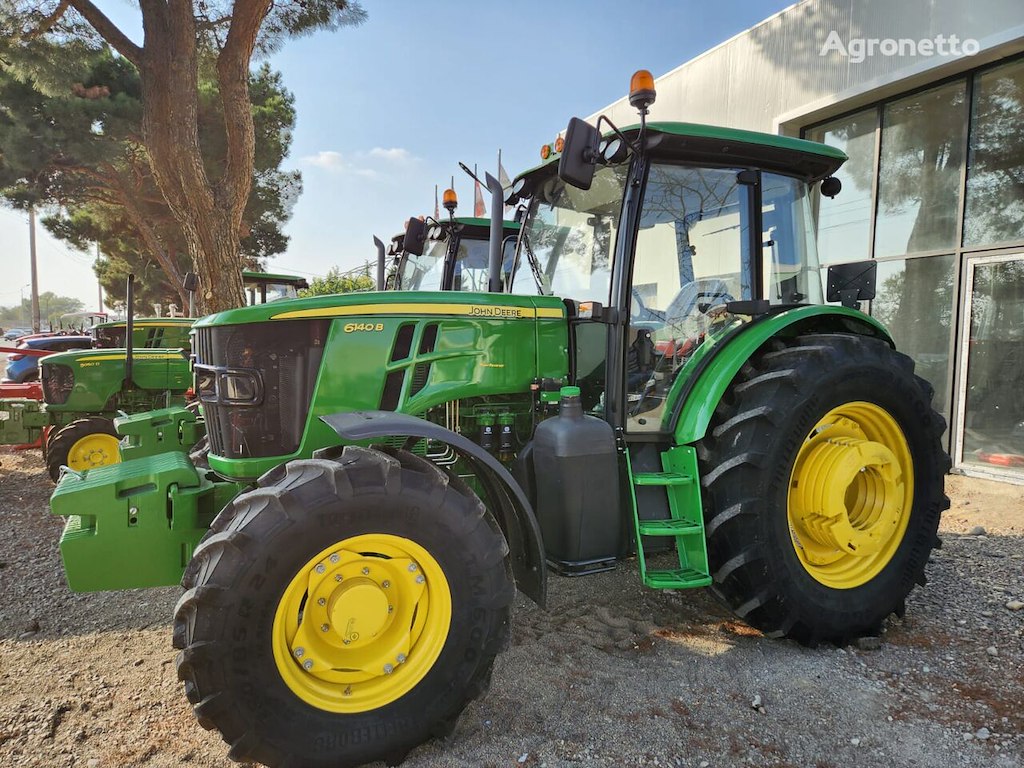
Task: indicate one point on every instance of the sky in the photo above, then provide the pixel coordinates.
(387, 109)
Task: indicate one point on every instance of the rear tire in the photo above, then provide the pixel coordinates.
(778, 559)
(276, 548)
(83, 444)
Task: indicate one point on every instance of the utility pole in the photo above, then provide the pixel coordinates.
(35, 276)
(99, 285)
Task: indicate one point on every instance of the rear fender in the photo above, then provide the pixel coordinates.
(504, 497)
(693, 408)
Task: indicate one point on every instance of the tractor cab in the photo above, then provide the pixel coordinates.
(682, 234)
(148, 333)
(261, 287)
(452, 255)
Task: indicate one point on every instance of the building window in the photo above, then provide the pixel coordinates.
(914, 299)
(922, 153)
(844, 222)
(995, 169)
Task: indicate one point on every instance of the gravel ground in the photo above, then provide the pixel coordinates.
(611, 675)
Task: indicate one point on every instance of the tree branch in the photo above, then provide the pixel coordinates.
(108, 30)
(49, 21)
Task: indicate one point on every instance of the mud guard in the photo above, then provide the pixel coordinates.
(505, 498)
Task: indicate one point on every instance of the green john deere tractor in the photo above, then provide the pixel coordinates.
(85, 390)
(385, 469)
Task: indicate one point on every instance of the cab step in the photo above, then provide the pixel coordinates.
(685, 523)
(661, 478)
(680, 578)
(669, 527)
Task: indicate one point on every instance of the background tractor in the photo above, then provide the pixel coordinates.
(452, 255)
(84, 391)
(385, 469)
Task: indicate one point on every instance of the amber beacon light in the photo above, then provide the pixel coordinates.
(449, 200)
(641, 90)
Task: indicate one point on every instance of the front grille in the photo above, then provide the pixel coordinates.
(285, 358)
(58, 381)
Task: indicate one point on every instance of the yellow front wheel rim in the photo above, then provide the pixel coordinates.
(96, 450)
(361, 623)
(850, 495)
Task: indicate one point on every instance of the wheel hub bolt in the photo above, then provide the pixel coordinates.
(320, 568)
(298, 652)
(388, 669)
(337, 577)
(321, 601)
(413, 567)
(420, 579)
(366, 571)
(401, 658)
(324, 627)
(385, 583)
(307, 664)
(345, 641)
(334, 558)
(391, 608)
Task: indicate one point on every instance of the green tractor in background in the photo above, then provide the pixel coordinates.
(84, 391)
(452, 255)
(385, 469)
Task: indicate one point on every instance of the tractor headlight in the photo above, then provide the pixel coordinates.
(239, 388)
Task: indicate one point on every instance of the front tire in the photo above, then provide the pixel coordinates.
(83, 444)
(822, 475)
(343, 612)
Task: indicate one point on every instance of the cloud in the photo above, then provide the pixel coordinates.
(367, 164)
(328, 159)
(392, 155)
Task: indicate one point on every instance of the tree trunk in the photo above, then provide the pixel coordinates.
(210, 214)
(214, 250)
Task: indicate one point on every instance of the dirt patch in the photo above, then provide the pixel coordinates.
(613, 674)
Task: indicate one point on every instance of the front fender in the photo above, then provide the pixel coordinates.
(505, 498)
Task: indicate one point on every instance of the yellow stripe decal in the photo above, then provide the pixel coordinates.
(135, 356)
(502, 311)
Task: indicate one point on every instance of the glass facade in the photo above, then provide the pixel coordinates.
(935, 183)
(995, 165)
(914, 298)
(923, 145)
(844, 222)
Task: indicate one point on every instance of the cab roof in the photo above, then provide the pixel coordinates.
(148, 322)
(715, 145)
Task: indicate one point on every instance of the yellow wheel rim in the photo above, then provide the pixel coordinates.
(95, 450)
(850, 495)
(362, 623)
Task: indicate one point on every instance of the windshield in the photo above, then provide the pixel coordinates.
(569, 236)
(424, 272)
(262, 292)
(471, 265)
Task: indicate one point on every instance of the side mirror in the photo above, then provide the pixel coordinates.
(190, 281)
(415, 236)
(831, 186)
(578, 162)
